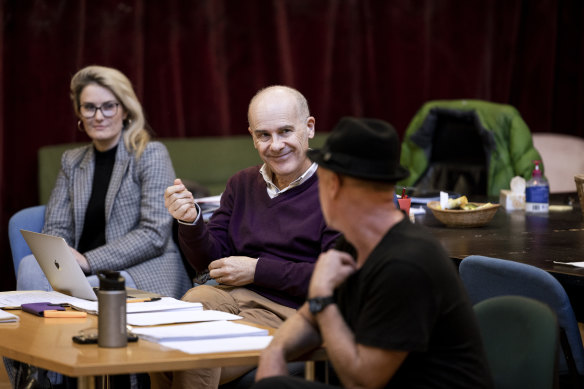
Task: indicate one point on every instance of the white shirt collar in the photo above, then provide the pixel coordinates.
(273, 190)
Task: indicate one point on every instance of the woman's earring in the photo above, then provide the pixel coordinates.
(80, 126)
(127, 123)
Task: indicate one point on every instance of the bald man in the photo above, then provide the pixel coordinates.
(262, 243)
(390, 308)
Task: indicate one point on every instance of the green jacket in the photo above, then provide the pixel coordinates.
(507, 139)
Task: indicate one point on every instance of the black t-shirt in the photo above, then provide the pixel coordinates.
(408, 296)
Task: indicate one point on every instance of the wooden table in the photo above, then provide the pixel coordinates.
(47, 343)
(530, 239)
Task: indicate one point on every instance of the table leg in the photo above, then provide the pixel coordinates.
(86, 382)
(103, 382)
(309, 371)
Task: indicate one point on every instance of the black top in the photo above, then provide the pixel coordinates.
(93, 234)
(407, 296)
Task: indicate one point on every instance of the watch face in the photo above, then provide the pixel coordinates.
(317, 304)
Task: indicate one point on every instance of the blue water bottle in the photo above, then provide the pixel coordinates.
(537, 192)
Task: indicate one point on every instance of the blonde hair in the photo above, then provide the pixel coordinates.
(135, 134)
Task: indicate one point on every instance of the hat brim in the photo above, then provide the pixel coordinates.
(318, 156)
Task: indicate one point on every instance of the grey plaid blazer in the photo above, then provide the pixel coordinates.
(138, 227)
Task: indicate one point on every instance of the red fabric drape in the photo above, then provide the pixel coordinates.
(195, 65)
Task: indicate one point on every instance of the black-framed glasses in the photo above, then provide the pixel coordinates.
(108, 109)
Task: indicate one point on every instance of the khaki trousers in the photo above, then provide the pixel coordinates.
(240, 301)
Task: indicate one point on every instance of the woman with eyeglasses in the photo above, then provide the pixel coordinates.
(108, 203)
(108, 200)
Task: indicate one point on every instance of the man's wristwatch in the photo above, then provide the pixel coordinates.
(317, 304)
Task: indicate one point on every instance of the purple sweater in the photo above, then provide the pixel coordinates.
(287, 234)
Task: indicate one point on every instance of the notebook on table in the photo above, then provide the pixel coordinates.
(56, 260)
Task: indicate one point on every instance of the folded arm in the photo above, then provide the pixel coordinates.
(298, 335)
(357, 365)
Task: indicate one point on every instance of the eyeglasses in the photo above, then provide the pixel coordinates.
(108, 109)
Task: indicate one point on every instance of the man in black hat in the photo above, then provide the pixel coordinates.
(395, 314)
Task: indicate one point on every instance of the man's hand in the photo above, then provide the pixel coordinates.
(331, 269)
(179, 202)
(236, 271)
(82, 261)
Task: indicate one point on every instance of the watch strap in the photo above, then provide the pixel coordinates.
(317, 304)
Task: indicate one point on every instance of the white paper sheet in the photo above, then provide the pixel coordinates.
(210, 199)
(182, 316)
(244, 343)
(164, 304)
(443, 200)
(7, 317)
(15, 299)
(575, 264)
(198, 331)
(417, 211)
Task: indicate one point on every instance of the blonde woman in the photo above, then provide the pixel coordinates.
(108, 199)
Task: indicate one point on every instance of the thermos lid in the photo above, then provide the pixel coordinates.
(111, 280)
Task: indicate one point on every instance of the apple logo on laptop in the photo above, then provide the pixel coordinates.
(57, 265)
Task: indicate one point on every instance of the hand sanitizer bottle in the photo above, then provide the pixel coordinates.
(537, 192)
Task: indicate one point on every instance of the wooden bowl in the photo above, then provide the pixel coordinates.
(463, 218)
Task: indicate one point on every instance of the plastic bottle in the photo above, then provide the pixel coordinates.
(111, 302)
(537, 192)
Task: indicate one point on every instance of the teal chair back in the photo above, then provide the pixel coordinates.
(520, 335)
(486, 277)
(31, 219)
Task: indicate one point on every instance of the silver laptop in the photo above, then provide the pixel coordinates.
(61, 268)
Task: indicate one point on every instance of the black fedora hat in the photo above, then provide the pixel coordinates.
(362, 148)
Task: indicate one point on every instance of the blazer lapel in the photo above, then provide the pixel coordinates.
(123, 159)
(82, 185)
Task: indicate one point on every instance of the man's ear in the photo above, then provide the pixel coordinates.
(252, 137)
(310, 127)
(335, 184)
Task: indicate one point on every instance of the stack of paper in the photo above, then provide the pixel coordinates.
(16, 298)
(164, 304)
(205, 346)
(6, 317)
(198, 331)
(208, 337)
(211, 332)
(180, 316)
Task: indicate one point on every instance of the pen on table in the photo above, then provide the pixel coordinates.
(69, 314)
(144, 300)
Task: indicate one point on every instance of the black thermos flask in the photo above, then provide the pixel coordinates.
(111, 303)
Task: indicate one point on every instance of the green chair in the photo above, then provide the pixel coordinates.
(520, 335)
(472, 147)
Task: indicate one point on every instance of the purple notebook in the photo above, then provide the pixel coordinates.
(38, 309)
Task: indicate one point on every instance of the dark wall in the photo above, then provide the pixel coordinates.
(195, 65)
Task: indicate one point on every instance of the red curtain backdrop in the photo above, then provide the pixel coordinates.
(195, 65)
